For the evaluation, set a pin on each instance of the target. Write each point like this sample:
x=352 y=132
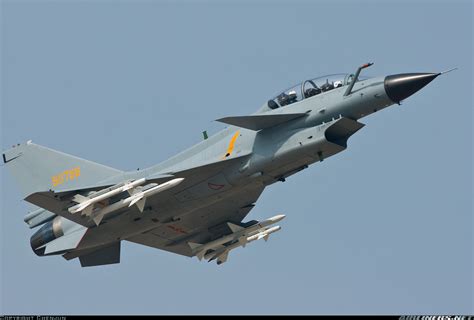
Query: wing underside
x=202 y=225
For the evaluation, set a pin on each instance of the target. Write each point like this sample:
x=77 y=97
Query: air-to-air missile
x=222 y=253
x=137 y=196
x=85 y=204
x=242 y=235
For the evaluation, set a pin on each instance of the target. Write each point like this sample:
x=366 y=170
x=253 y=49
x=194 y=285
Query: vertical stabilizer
x=37 y=168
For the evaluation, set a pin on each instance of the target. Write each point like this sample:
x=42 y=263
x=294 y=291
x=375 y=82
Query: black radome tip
x=400 y=86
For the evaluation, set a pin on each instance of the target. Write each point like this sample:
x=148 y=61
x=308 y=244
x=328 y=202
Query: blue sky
x=383 y=228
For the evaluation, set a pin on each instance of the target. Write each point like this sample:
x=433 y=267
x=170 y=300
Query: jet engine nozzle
x=400 y=86
x=56 y=228
x=48 y=232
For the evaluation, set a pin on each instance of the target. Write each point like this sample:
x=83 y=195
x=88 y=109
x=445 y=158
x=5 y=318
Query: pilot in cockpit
x=283 y=99
x=286 y=99
x=311 y=91
x=327 y=86
x=292 y=96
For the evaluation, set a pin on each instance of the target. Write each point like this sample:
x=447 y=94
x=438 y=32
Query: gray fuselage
x=266 y=156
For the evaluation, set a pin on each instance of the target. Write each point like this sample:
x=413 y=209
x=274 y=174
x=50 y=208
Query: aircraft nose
x=401 y=86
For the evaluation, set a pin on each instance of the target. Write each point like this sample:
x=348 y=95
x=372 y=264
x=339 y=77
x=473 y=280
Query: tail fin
x=37 y=168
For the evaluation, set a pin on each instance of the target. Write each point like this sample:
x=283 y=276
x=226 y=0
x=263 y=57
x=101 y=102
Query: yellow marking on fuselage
x=66 y=175
x=231 y=145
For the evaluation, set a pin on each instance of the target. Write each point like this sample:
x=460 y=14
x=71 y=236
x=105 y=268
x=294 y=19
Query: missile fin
x=79 y=198
x=194 y=245
x=135 y=201
x=97 y=219
x=200 y=254
x=234 y=227
x=88 y=210
x=141 y=204
x=266 y=237
x=223 y=257
x=243 y=241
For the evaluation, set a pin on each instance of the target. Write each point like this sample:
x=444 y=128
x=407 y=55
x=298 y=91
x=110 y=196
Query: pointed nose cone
x=401 y=86
x=277 y=218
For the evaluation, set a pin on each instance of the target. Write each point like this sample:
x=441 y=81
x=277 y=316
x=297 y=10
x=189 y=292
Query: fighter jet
x=194 y=203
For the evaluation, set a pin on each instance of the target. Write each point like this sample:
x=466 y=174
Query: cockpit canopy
x=310 y=88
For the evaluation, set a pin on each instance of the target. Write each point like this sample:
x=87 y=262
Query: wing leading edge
x=260 y=122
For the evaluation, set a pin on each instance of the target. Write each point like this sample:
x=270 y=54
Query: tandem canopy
x=310 y=88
